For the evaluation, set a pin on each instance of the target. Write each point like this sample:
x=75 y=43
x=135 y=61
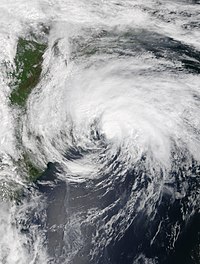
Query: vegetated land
x=28 y=68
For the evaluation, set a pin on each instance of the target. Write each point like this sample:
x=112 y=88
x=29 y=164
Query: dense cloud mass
x=100 y=132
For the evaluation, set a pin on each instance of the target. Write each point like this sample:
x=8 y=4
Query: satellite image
x=99 y=132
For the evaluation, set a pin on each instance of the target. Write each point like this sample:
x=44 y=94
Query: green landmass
x=28 y=68
x=25 y=76
x=27 y=167
x=33 y=171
